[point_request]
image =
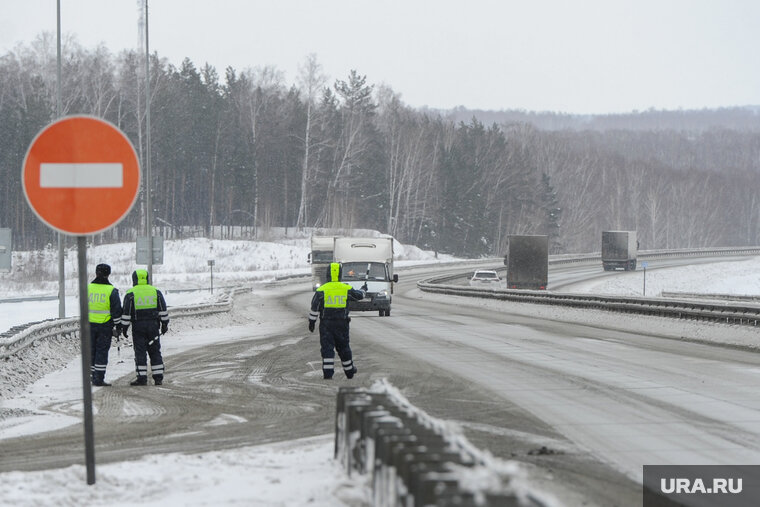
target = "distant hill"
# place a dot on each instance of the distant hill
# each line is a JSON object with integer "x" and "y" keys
{"x": 745, "y": 118}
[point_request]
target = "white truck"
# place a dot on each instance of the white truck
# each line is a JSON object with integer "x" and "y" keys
{"x": 619, "y": 250}
{"x": 368, "y": 260}
{"x": 320, "y": 257}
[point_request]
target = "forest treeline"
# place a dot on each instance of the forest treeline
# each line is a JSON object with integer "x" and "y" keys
{"x": 244, "y": 148}
{"x": 698, "y": 120}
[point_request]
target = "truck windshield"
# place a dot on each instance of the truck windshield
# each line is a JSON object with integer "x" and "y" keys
{"x": 353, "y": 271}
{"x": 320, "y": 256}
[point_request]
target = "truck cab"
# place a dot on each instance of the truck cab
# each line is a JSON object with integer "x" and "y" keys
{"x": 320, "y": 257}
{"x": 370, "y": 261}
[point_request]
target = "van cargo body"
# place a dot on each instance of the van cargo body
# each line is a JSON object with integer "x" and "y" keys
{"x": 619, "y": 250}
{"x": 320, "y": 257}
{"x": 368, "y": 260}
{"x": 528, "y": 262}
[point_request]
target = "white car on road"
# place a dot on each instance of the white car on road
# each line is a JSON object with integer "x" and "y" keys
{"x": 485, "y": 278}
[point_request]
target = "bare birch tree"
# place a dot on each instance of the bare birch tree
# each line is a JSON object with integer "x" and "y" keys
{"x": 311, "y": 80}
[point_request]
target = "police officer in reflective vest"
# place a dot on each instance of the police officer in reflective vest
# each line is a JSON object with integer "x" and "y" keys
{"x": 330, "y": 304}
{"x": 145, "y": 307}
{"x": 104, "y": 308}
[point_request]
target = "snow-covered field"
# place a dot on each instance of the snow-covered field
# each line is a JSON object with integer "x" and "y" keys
{"x": 292, "y": 473}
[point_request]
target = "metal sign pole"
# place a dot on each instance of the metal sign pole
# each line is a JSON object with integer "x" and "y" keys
{"x": 58, "y": 109}
{"x": 148, "y": 181}
{"x": 84, "y": 332}
{"x": 644, "y": 265}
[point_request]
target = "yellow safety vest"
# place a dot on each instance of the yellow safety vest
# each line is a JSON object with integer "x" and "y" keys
{"x": 99, "y": 302}
{"x": 146, "y": 297}
{"x": 336, "y": 294}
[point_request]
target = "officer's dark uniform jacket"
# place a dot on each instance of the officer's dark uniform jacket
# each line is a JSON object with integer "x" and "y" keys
{"x": 104, "y": 309}
{"x": 330, "y": 304}
{"x": 145, "y": 308}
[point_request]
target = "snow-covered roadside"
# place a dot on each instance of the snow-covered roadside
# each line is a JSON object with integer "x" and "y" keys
{"x": 21, "y": 387}
{"x": 733, "y": 276}
{"x": 737, "y": 277}
{"x": 285, "y": 474}
{"x": 666, "y": 327}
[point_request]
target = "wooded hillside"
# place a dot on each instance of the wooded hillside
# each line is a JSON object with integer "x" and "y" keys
{"x": 243, "y": 147}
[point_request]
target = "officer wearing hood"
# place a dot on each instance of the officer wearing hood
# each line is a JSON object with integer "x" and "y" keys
{"x": 330, "y": 304}
{"x": 104, "y": 309}
{"x": 145, "y": 307}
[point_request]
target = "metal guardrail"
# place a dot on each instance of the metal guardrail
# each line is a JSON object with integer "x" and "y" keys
{"x": 718, "y": 297}
{"x": 19, "y": 337}
{"x": 720, "y": 312}
{"x": 414, "y": 459}
{"x": 661, "y": 254}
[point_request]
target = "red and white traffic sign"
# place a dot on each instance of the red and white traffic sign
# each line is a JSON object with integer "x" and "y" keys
{"x": 81, "y": 175}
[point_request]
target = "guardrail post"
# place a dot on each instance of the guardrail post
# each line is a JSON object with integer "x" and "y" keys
{"x": 344, "y": 393}
{"x": 413, "y": 459}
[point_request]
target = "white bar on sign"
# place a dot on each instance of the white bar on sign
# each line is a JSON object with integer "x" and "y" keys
{"x": 81, "y": 175}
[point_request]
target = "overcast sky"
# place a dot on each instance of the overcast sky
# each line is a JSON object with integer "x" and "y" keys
{"x": 574, "y": 56}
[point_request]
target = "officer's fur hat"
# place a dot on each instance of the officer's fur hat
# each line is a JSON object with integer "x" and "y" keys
{"x": 102, "y": 270}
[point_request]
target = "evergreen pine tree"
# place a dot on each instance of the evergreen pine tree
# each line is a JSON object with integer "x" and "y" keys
{"x": 552, "y": 214}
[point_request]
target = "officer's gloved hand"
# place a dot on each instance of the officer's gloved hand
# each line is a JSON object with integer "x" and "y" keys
{"x": 364, "y": 287}
{"x": 164, "y": 327}
{"x": 311, "y": 326}
{"x": 125, "y": 330}
{"x": 116, "y": 331}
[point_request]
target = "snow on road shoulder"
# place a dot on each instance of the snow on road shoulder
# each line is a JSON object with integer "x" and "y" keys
{"x": 292, "y": 473}
{"x": 736, "y": 277}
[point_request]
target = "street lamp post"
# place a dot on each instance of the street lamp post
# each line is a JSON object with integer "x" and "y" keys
{"x": 149, "y": 214}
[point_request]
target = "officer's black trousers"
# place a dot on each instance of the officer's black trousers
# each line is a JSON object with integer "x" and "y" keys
{"x": 100, "y": 344}
{"x": 143, "y": 333}
{"x": 333, "y": 335}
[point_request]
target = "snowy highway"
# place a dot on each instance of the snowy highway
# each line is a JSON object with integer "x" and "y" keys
{"x": 582, "y": 399}
{"x": 625, "y": 398}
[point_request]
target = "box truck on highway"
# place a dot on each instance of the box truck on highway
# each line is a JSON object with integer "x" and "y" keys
{"x": 368, "y": 260}
{"x": 320, "y": 257}
{"x": 619, "y": 250}
{"x": 527, "y": 262}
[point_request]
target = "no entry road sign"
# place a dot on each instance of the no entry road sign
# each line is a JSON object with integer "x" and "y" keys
{"x": 81, "y": 175}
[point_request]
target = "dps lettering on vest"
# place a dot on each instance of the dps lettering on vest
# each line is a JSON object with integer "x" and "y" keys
{"x": 98, "y": 298}
{"x": 335, "y": 301}
{"x": 145, "y": 301}
{"x": 99, "y": 304}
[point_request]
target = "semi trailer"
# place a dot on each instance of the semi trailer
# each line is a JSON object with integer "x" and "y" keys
{"x": 527, "y": 262}
{"x": 619, "y": 250}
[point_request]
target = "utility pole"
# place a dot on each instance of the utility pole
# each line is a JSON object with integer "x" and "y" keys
{"x": 148, "y": 203}
{"x": 61, "y": 274}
